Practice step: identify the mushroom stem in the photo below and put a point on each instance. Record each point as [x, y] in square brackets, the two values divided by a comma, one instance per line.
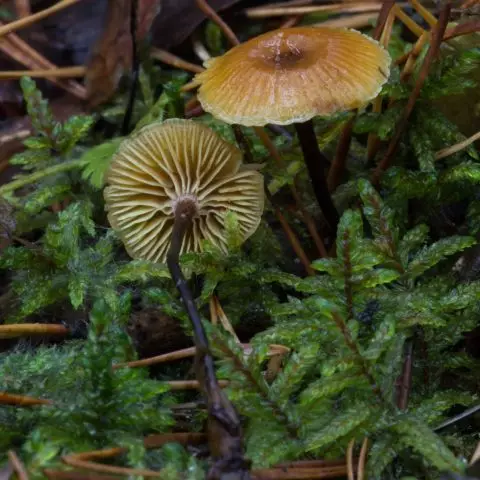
[316, 164]
[224, 428]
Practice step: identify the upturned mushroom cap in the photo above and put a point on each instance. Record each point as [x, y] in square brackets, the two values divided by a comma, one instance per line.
[292, 75]
[177, 161]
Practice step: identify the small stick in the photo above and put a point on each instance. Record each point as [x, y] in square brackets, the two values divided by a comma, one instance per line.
[292, 237]
[445, 152]
[190, 86]
[61, 72]
[13, 46]
[31, 19]
[24, 329]
[17, 465]
[457, 418]
[413, 26]
[218, 313]
[307, 218]
[261, 12]
[387, 6]
[75, 461]
[384, 38]
[362, 459]
[199, 48]
[476, 455]
[75, 475]
[405, 379]
[293, 473]
[291, 21]
[340, 161]
[352, 21]
[350, 472]
[424, 13]
[164, 358]
[212, 15]
[437, 36]
[22, 400]
[177, 62]
[23, 9]
[462, 29]
[192, 384]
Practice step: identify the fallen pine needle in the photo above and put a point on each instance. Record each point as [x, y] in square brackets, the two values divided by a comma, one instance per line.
[31, 19]
[25, 329]
[457, 147]
[17, 465]
[63, 72]
[21, 400]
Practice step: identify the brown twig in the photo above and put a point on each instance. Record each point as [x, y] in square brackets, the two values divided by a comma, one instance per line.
[387, 6]
[191, 384]
[23, 8]
[17, 465]
[413, 26]
[299, 473]
[362, 460]
[60, 72]
[457, 147]
[351, 21]
[263, 12]
[307, 218]
[337, 168]
[436, 40]
[177, 62]
[292, 237]
[384, 36]
[23, 329]
[31, 19]
[424, 13]
[87, 459]
[213, 15]
[21, 400]
[462, 29]
[164, 358]
[75, 475]
[342, 326]
[291, 21]
[349, 455]
[405, 380]
[217, 312]
[13, 46]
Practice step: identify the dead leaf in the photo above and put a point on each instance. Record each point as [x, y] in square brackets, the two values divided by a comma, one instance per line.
[178, 20]
[112, 54]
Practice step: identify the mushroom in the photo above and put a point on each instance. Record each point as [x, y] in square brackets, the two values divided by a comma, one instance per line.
[167, 168]
[290, 75]
[170, 186]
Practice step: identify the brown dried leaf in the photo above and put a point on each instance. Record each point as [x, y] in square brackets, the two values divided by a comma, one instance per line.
[179, 18]
[112, 54]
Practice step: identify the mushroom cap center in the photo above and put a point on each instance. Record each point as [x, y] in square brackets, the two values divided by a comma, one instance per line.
[282, 51]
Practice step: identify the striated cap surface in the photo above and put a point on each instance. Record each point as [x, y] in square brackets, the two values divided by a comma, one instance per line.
[176, 161]
[292, 75]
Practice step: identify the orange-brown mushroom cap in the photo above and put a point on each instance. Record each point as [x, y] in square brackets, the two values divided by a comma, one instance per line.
[174, 161]
[292, 75]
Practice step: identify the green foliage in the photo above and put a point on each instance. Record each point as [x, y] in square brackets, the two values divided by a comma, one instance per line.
[101, 405]
[391, 288]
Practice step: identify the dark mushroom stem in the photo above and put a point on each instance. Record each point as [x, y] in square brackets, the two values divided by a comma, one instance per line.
[223, 426]
[317, 164]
